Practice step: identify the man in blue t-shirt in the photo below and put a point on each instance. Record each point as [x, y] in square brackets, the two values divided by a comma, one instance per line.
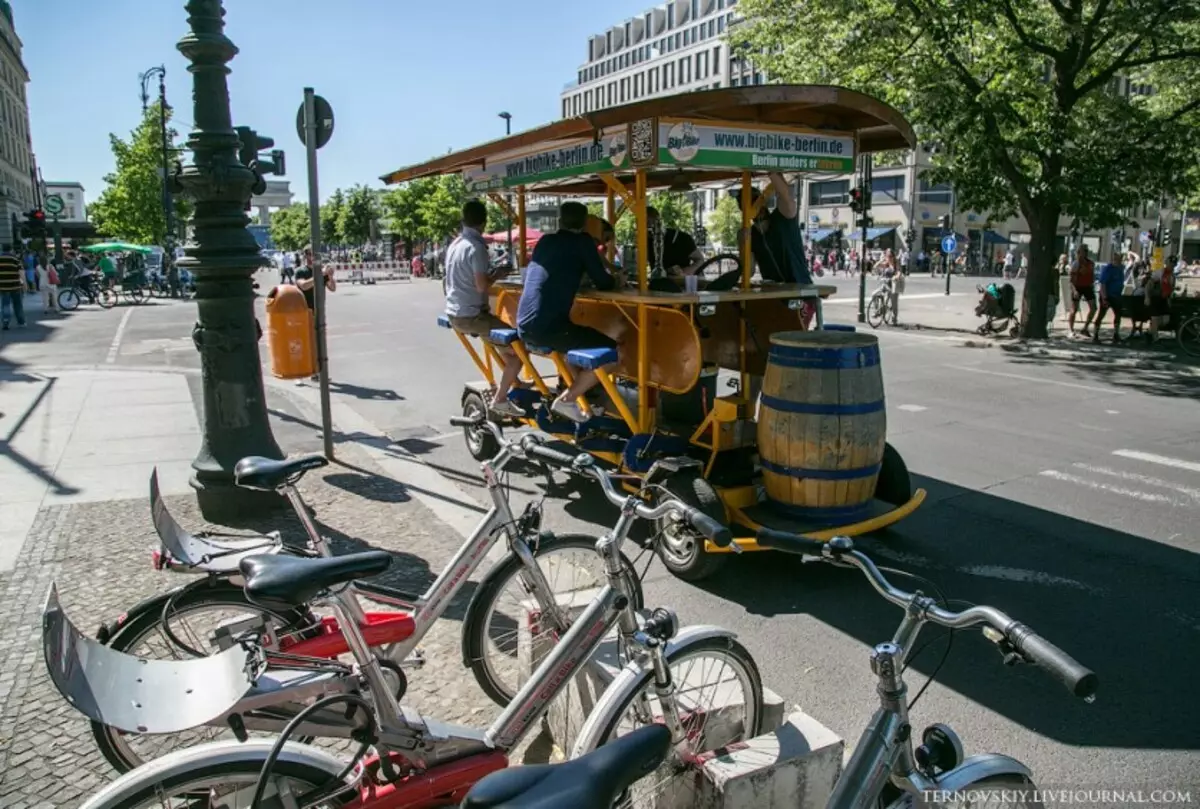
[552, 280]
[1112, 287]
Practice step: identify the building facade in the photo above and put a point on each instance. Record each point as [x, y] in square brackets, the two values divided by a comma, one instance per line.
[73, 198]
[673, 48]
[17, 167]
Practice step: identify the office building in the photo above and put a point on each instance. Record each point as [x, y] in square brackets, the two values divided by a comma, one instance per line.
[17, 168]
[75, 206]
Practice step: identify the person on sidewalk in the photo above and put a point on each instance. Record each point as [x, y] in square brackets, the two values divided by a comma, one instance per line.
[1010, 261]
[469, 279]
[48, 285]
[12, 288]
[1083, 288]
[559, 262]
[1112, 286]
[305, 283]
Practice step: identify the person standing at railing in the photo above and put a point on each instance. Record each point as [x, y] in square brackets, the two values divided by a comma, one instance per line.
[306, 284]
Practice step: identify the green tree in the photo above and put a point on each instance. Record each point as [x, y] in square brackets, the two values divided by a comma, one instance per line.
[130, 208]
[675, 210]
[402, 213]
[726, 222]
[498, 220]
[290, 227]
[331, 219]
[358, 213]
[441, 209]
[1026, 97]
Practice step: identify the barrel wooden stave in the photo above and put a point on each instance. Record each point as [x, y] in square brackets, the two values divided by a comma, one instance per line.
[818, 437]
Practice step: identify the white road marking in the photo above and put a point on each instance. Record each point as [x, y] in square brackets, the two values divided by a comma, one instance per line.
[1091, 484]
[1024, 378]
[912, 408]
[1026, 576]
[1163, 460]
[1113, 412]
[1144, 479]
[115, 348]
[914, 297]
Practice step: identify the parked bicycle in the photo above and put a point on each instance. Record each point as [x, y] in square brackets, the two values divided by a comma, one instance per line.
[887, 769]
[1188, 335]
[210, 612]
[879, 309]
[415, 761]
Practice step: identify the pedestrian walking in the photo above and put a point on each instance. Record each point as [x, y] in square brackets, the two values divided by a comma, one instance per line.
[12, 288]
[1083, 288]
[1112, 286]
[47, 278]
[1010, 260]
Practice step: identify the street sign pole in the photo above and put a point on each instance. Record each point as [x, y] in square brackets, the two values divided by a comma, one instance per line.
[954, 234]
[862, 246]
[314, 212]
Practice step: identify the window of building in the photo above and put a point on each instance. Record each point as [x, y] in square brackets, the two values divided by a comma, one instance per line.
[695, 9]
[677, 40]
[699, 67]
[608, 41]
[624, 90]
[829, 192]
[628, 29]
[566, 112]
[703, 31]
[720, 25]
[670, 15]
[712, 28]
[612, 93]
[733, 81]
[758, 78]
[887, 189]
[938, 194]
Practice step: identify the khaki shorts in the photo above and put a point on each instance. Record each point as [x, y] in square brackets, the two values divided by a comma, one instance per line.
[479, 325]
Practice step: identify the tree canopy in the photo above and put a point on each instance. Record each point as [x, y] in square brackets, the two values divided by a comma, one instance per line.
[290, 227]
[675, 210]
[130, 208]
[331, 218]
[358, 215]
[726, 222]
[1039, 106]
[429, 208]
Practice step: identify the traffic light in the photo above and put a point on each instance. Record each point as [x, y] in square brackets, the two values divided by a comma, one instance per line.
[944, 221]
[857, 200]
[1164, 235]
[35, 222]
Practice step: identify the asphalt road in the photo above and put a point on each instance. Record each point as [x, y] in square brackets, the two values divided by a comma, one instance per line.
[1063, 492]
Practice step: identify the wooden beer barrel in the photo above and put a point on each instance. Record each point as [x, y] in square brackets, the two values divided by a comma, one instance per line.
[822, 424]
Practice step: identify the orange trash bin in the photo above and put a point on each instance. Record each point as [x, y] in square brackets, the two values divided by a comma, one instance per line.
[290, 336]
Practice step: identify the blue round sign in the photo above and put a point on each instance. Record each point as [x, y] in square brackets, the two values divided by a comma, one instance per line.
[949, 244]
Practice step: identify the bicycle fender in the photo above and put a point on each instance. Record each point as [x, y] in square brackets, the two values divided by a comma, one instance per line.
[629, 679]
[213, 755]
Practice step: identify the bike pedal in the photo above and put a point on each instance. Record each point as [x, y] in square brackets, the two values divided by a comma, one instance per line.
[415, 660]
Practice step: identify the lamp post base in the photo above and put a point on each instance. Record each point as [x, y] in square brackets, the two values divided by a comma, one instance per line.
[224, 503]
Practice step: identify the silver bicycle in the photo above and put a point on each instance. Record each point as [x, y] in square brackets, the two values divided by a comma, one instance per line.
[886, 769]
[212, 612]
[699, 682]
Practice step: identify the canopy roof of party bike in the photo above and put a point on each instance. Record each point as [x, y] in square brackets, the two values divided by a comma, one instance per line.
[698, 137]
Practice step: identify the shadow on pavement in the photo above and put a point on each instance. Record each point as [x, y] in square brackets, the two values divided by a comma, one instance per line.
[11, 424]
[1122, 605]
[1155, 381]
[372, 487]
[369, 394]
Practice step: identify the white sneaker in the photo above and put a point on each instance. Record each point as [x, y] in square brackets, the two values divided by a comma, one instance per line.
[568, 410]
[506, 408]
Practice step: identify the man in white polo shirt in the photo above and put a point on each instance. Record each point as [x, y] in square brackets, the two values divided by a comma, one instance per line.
[468, 279]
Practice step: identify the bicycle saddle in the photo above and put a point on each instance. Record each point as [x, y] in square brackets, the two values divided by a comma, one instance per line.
[594, 781]
[268, 474]
[293, 581]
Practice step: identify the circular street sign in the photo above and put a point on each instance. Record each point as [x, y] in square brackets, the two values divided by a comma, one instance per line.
[835, 214]
[324, 115]
[949, 244]
[54, 204]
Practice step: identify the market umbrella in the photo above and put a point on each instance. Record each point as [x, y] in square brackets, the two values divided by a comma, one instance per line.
[116, 247]
[531, 235]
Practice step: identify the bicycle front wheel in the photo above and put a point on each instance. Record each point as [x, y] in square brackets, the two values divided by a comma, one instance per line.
[877, 311]
[223, 775]
[1189, 336]
[719, 696]
[501, 606]
[68, 300]
[195, 615]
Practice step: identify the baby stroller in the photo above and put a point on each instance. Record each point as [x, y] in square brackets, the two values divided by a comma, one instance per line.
[998, 305]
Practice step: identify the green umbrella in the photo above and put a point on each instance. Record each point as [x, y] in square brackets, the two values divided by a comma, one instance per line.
[116, 247]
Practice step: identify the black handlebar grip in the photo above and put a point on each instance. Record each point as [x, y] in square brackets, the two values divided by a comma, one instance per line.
[1079, 680]
[719, 534]
[791, 543]
[467, 421]
[551, 455]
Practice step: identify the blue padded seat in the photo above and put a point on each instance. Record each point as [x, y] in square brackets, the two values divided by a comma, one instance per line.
[502, 337]
[592, 358]
[444, 321]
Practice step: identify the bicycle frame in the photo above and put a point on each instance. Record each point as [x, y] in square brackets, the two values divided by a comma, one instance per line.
[884, 753]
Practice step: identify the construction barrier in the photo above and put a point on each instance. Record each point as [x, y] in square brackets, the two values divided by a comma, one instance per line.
[370, 272]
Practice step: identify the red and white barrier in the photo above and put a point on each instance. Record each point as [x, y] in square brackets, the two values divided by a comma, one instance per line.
[370, 272]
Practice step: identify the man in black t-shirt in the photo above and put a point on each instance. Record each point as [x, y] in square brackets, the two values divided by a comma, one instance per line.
[680, 254]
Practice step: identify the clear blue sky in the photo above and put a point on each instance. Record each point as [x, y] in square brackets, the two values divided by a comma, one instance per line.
[407, 79]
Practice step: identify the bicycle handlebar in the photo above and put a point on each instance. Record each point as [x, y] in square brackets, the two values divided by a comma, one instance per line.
[584, 464]
[1032, 647]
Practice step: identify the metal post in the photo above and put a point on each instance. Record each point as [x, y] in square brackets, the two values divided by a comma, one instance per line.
[867, 165]
[168, 201]
[223, 257]
[314, 224]
[508, 131]
[954, 230]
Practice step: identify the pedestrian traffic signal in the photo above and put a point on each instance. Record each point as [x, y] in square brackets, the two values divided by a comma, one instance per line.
[35, 222]
[857, 200]
[944, 221]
